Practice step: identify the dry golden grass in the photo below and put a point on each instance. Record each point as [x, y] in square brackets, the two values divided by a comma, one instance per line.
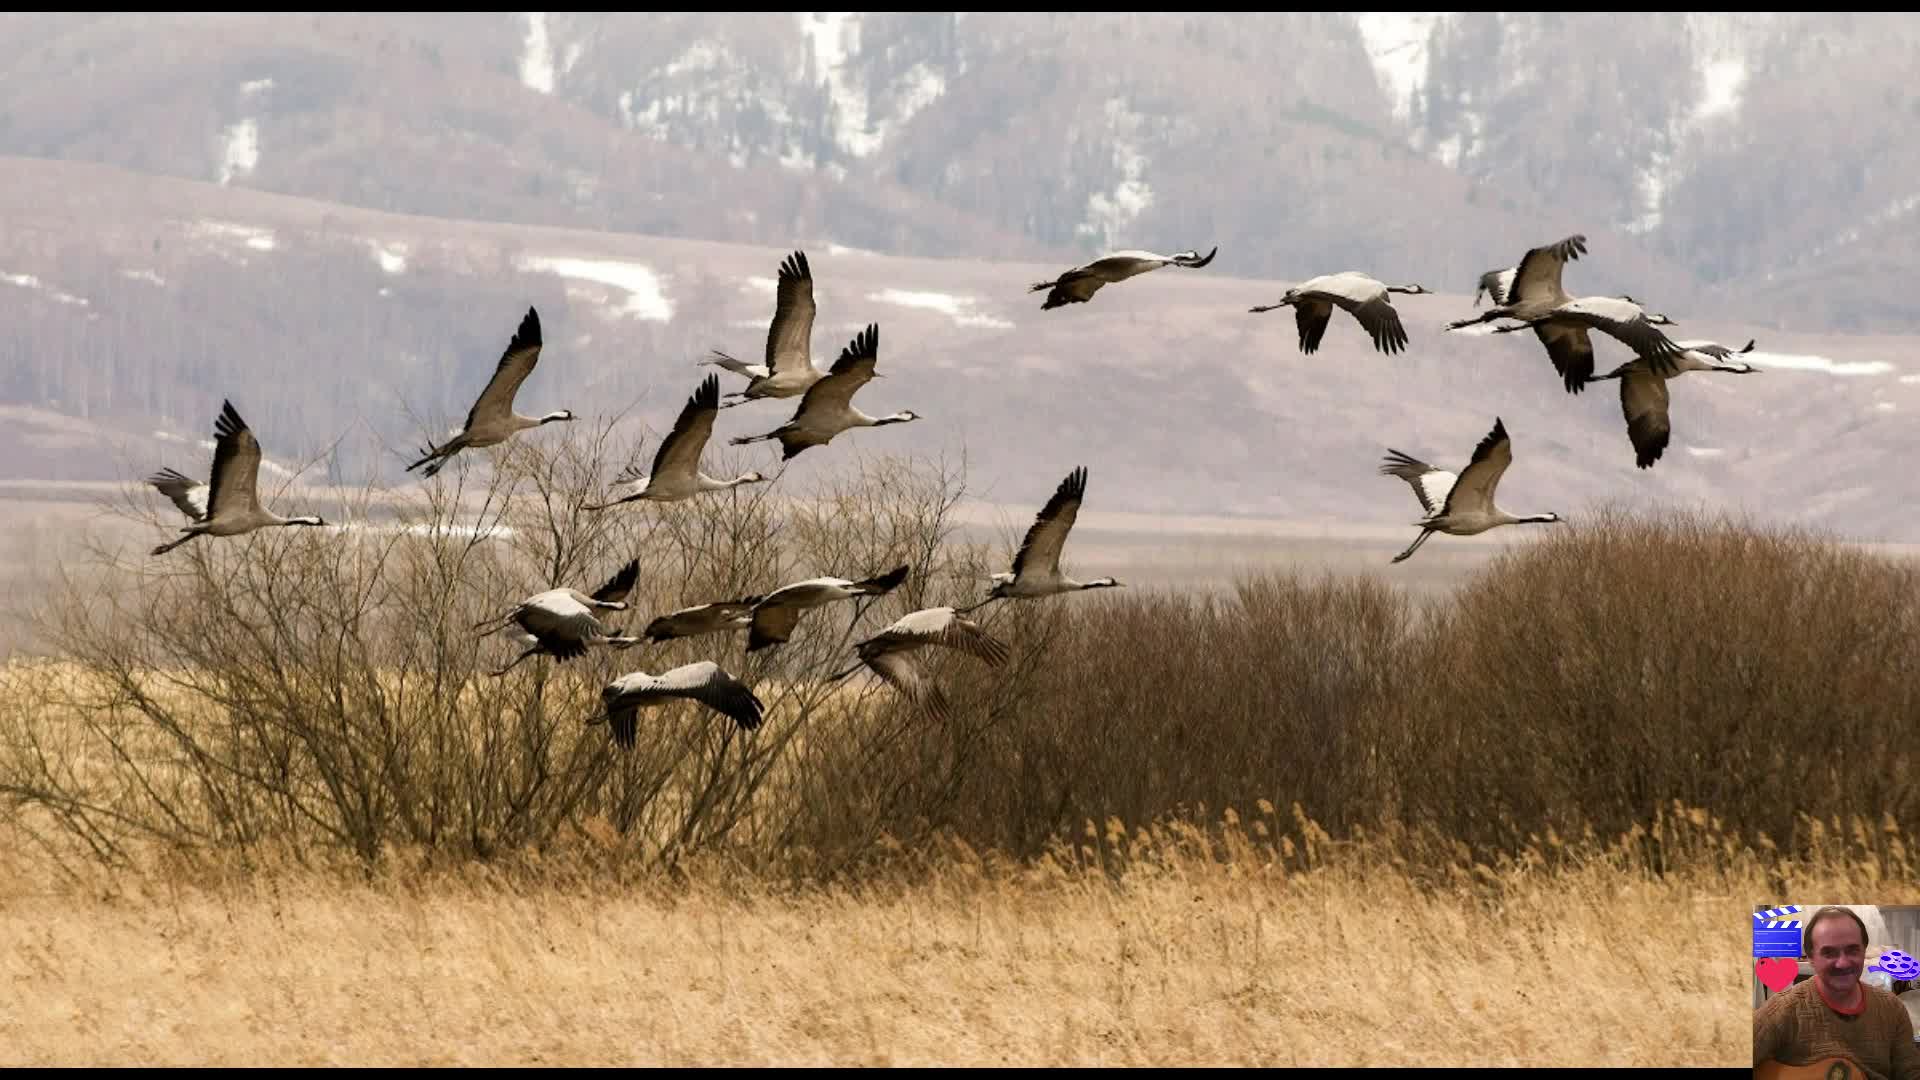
[1171, 956]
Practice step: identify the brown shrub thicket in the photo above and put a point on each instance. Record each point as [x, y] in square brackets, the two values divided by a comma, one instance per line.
[321, 692]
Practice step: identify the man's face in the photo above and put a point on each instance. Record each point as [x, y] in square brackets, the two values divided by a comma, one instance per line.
[1839, 954]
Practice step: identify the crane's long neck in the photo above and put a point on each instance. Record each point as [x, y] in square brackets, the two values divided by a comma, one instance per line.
[708, 483]
[521, 423]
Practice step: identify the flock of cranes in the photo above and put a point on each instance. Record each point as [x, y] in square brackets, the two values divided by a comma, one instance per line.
[564, 623]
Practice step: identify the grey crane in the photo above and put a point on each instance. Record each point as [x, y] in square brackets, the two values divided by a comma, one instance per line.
[233, 499]
[492, 419]
[676, 474]
[889, 654]
[1366, 298]
[1536, 275]
[777, 613]
[1078, 285]
[1036, 566]
[827, 408]
[1460, 505]
[788, 370]
[703, 681]
[562, 624]
[703, 619]
[1644, 399]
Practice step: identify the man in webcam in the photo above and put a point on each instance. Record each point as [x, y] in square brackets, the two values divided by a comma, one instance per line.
[1804, 1029]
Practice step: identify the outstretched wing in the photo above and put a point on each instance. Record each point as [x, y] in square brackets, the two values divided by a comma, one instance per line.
[1496, 285]
[1310, 317]
[902, 672]
[516, 363]
[1048, 533]
[1625, 320]
[1474, 491]
[188, 494]
[236, 465]
[1430, 485]
[1538, 275]
[619, 585]
[1643, 401]
[1381, 320]
[772, 625]
[1078, 290]
[1570, 350]
[789, 336]
[702, 619]
[680, 451]
[852, 371]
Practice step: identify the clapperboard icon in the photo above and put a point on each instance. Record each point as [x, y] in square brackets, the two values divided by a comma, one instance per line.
[1776, 932]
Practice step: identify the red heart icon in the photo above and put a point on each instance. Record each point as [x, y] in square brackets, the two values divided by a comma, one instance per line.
[1777, 972]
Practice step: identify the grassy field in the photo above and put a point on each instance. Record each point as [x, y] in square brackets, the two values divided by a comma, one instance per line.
[1595, 737]
[1174, 959]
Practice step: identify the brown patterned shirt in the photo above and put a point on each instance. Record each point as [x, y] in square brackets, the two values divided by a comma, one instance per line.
[1797, 1027]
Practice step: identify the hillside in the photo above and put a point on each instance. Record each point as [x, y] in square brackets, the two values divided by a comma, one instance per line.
[139, 303]
[1699, 150]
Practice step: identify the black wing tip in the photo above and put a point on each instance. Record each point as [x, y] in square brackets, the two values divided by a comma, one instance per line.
[562, 649]
[1749, 347]
[1493, 439]
[707, 394]
[620, 583]
[794, 267]
[529, 332]
[997, 653]
[1645, 456]
[626, 729]
[864, 346]
[747, 710]
[1395, 460]
[229, 422]
[889, 581]
[1391, 340]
